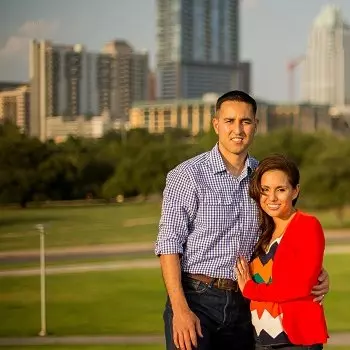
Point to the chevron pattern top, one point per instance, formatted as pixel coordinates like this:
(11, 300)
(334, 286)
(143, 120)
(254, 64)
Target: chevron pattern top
(267, 316)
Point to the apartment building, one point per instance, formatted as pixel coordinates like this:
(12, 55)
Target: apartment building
(195, 115)
(15, 105)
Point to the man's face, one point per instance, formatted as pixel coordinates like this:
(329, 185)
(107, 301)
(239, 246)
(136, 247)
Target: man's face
(235, 124)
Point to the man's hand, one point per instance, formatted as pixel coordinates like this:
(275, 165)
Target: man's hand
(322, 287)
(242, 272)
(186, 326)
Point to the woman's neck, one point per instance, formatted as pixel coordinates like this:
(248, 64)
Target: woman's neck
(281, 224)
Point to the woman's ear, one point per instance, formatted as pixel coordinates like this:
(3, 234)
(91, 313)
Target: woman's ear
(296, 191)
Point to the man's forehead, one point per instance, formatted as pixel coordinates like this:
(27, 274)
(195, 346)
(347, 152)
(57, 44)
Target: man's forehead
(237, 109)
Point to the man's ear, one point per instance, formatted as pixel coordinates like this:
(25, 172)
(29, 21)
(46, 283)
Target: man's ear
(256, 125)
(215, 122)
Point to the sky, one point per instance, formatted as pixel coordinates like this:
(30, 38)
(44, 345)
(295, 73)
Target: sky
(272, 32)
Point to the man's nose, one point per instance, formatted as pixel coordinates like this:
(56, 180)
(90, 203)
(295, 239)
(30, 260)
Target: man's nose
(237, 127)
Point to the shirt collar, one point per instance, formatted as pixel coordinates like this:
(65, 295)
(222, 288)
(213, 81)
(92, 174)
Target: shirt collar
(217, 164)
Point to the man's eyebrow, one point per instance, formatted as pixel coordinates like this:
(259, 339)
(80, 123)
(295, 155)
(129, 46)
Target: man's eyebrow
(241, 118)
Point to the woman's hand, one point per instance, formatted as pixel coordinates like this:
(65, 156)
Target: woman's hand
(242, 272)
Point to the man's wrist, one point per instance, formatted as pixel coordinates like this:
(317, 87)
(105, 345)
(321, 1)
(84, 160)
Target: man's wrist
(179, 306)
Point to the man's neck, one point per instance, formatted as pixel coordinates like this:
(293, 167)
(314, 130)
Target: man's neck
(234, 162)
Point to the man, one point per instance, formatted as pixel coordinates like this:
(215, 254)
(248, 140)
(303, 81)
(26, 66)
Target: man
(207, 221)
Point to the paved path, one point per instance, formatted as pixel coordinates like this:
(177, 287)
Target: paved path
(119, 265)
(337, 339)
(111, 250)
(121, 248)
(99, 251)
(79, 268)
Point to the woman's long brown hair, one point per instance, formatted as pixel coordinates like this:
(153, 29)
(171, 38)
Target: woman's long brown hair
(266, 223)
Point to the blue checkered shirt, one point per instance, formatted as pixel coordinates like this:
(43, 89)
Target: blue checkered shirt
(207, 215)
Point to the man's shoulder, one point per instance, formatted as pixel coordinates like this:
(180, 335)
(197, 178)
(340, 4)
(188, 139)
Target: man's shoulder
(253, 162)
(191, 165)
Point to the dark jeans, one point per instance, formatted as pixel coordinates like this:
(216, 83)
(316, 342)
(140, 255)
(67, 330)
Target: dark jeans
(290, 347)
(224, 316)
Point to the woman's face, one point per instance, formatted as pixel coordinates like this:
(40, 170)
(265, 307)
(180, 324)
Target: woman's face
(277, 194)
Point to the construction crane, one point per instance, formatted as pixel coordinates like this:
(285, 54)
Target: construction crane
(292, 64)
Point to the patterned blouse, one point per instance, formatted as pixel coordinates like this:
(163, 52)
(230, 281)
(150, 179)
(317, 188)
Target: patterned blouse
(267, 316)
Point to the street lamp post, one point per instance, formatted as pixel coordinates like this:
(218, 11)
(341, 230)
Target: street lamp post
(41, 230)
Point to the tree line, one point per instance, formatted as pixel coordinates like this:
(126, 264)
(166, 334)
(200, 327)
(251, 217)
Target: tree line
(136, 164)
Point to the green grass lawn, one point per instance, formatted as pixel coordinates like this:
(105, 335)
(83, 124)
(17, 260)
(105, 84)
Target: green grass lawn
(123, 302)
(337, 302)
(73, 226)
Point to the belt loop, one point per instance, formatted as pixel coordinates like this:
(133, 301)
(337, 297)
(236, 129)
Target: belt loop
(210, 285)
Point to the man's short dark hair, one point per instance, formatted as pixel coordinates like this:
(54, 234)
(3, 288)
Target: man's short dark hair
(238, 96)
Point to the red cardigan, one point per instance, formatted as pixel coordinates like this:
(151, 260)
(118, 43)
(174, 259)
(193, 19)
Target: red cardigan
(296, 267)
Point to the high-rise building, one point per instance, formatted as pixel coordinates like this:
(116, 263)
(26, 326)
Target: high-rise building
(14, 105)
(326, 76)
(67, 81)
(130, 70)
(198, 47)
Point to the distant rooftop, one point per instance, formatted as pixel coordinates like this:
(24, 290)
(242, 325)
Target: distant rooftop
(330, 17)
(11, 85)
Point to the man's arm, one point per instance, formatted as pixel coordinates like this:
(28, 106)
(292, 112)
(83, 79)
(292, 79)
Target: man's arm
(185, 323)
(178, 211)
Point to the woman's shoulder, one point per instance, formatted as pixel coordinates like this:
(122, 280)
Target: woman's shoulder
(307, 219)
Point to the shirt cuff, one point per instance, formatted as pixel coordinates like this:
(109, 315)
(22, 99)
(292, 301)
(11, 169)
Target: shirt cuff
(168, 247)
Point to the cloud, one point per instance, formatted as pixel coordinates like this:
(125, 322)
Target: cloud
(39, 29)
(18, 43)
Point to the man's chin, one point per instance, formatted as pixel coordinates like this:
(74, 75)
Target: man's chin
(238, 150)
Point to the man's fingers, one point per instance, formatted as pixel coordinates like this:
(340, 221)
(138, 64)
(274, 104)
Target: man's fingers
(319, 289)
(182, 344)
(187, 340)
(193, 337)
(323, 275)
(199, 328)
(316, 289)
(319, 299)
(176, 339)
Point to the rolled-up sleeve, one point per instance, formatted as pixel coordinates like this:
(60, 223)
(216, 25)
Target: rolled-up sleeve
(179, 209)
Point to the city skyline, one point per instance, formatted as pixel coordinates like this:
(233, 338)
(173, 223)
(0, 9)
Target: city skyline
(198, 48)
(326, 73)
(270, 36)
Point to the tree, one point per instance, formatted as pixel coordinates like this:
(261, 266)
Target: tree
(20, 159)
(326, 181)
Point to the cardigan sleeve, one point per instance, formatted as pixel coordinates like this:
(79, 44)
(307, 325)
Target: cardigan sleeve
(298, 277)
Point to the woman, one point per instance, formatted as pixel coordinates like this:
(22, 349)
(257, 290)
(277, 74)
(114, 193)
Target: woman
(286, 263)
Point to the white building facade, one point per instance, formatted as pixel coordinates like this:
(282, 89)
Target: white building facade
(326, 76)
